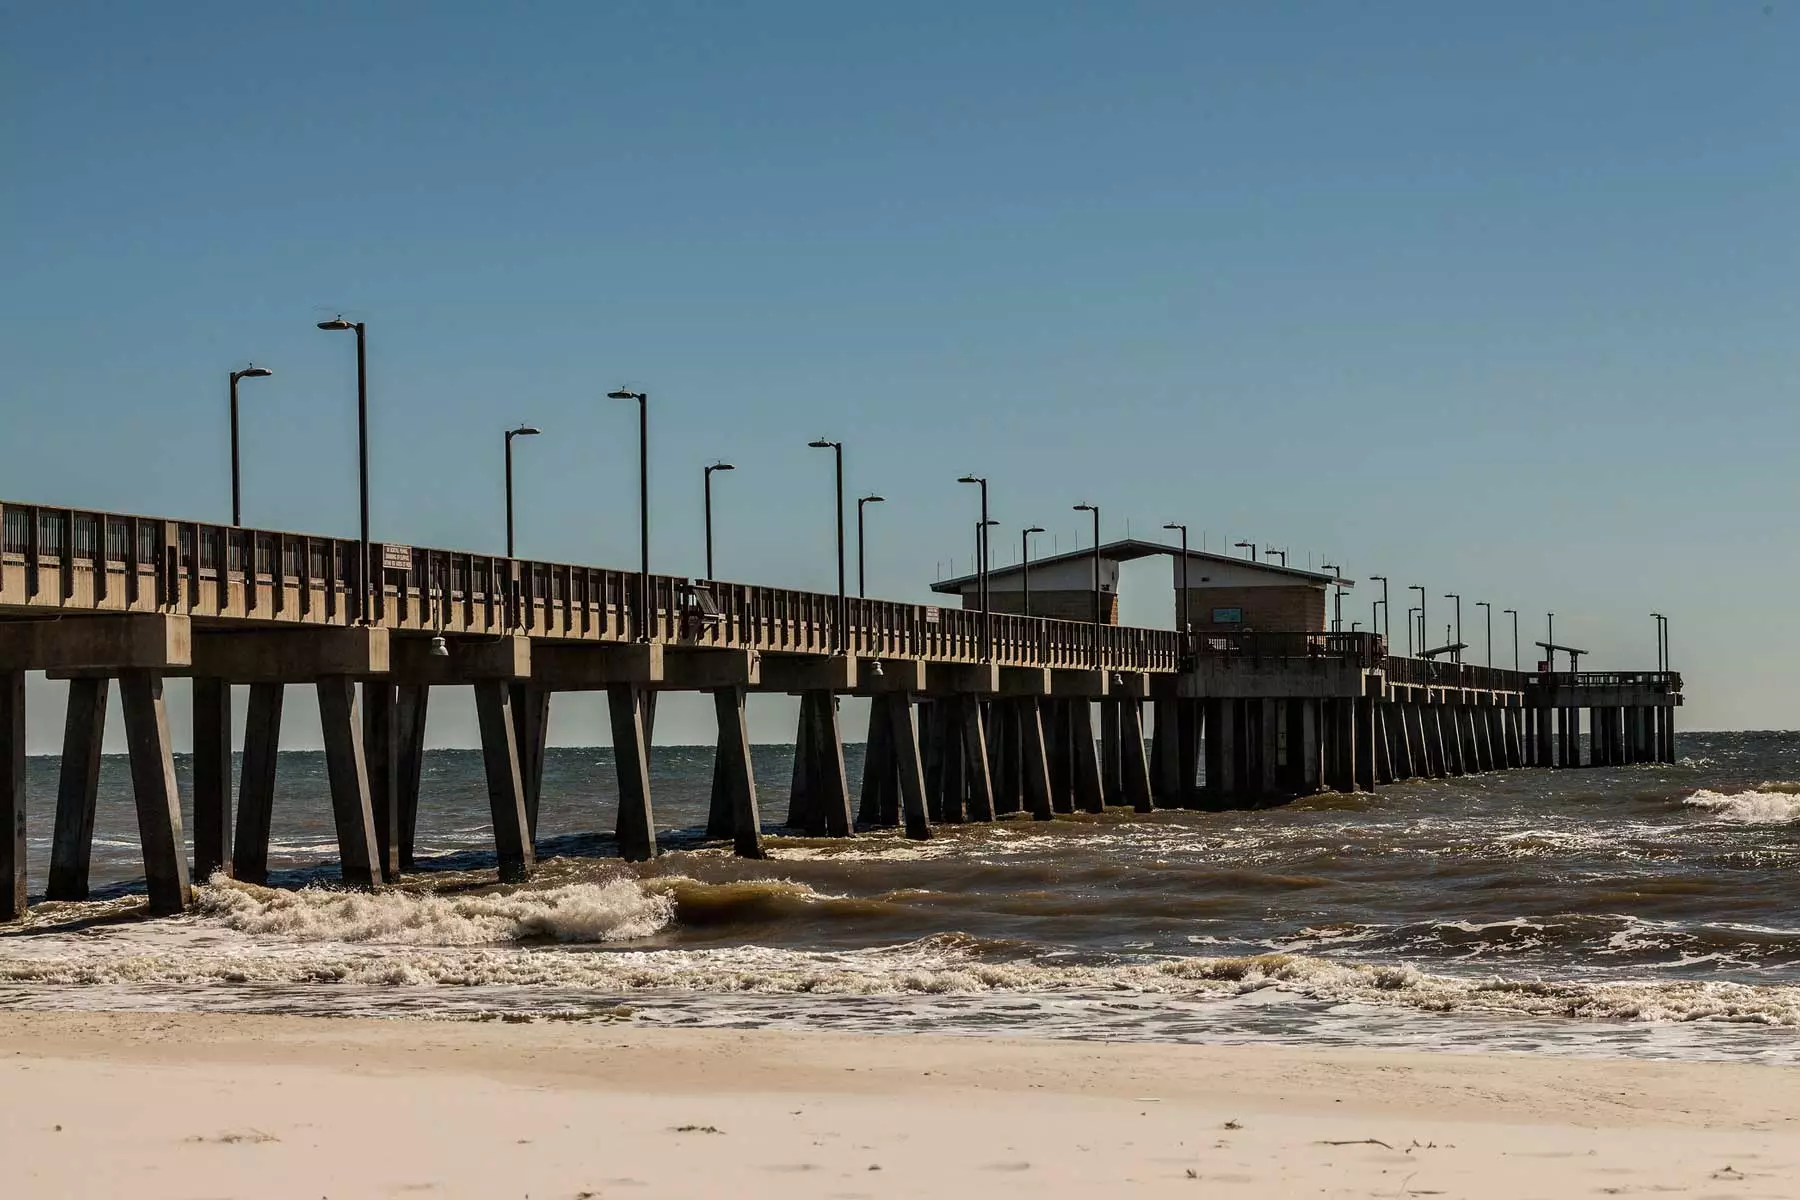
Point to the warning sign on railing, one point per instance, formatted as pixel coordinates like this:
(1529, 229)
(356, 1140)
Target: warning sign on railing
(396, 558)
(931, 614)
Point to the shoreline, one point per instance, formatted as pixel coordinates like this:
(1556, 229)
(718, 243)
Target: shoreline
(308, 1106)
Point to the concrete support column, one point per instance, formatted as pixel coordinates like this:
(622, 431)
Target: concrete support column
(1269, 767)
(212, 775)
(506, 787)
(381, 736)
(880, 805)
(909, 771)
(1399, 730)
(1134, 765)
(1455, 751)
(1034, 760)
(347, 768)
(1382, 712)
(256, 786)
(1191, 717)
(1165, 746)
(78, 788)
(1319, 726)
(738, 776)
(1366, 745)
(1112, 760)
(636, 826)
(977, 772)
(1223, 746)
(1086, 754)
(153, 784)
(1433, 738)
(531, 727)
(12, 795)
(414, 699)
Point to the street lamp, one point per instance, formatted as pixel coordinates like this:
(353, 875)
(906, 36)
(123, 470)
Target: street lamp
(1095, 510)
(1490, 629)
(1187, 622)
(1250, 546)
(707, 478)
(643, 403)
(1025, 563)
(250, 372)
(862, 584)
(1410, 614)
(1420, 588)
(1386, 613)
(1337, 589)
(1514, 614)
(1550, 642)
(1661, 626)
(981, 567)
(521, 431)
(837, 448)
(1271, 552)
(1456, 596)
(338, 325)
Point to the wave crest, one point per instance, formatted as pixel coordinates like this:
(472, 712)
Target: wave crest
(1769, 804)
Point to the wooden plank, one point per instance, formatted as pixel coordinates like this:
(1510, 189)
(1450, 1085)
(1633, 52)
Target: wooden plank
(78, 788)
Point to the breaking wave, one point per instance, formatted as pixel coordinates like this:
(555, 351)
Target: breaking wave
(1768, 804)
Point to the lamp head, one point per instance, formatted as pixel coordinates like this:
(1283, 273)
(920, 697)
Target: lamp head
(252, 372)
(971, 479)
(721, 466)
(1034, 529)
(1176, 525)
(336, 323)
(524, 431)
(624, 394)
(823, 444)
(439, 649)
(1086, 508)
(873, 499)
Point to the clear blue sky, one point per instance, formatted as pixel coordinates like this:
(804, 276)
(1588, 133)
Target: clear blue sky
(1502, 300)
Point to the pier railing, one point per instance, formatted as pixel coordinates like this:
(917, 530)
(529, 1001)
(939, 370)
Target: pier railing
(1433, 672)
(1656, 681)
(1362, 649)
(74, 560)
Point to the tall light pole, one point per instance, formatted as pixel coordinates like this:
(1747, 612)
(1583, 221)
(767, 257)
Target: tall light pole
(1550, 641)
(1025, 562)
(643, 403)
(1187, 622)
(1410, 614)
(1250, 546)
(862, 583)
(250, 372)
(1271, 552)
(1420, 588)
(1483, 604)
(839, 642)
(1095, 510)
(1386, 613)
(521, 431)
(338, 324)
(981, 567)
(1514, 614)
(718, 466)
(1661, 659)
(1337, 588)
(1456, 596)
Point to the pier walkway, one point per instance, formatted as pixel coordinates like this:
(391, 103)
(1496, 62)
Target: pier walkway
(975, 715)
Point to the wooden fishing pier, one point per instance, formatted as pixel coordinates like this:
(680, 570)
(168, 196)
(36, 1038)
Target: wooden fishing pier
(975, 715)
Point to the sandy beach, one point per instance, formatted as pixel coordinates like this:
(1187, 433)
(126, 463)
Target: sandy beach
(211, 1107)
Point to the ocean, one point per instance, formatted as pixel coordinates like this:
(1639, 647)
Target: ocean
(1649, 911)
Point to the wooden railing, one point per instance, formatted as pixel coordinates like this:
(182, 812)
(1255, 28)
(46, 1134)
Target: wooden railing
(1361, 649)
(76, 560)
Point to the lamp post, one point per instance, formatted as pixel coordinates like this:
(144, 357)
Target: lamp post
(1250, 546)
(1271, 552)
(1456, 596)
(1483, 604)
(1410, 614)
(837, 448)
(1337, 619)
(1420, 588)
(521, 431)
(1660, 660)
(250, 372)
(1386, 622)
(1187, 622)
(862, 583)
(643, 403)
(981, 568)
(1025, 563)
(718, 466)
(335, 325)
(1514, 614)
(1095, 510)
(1550, 641)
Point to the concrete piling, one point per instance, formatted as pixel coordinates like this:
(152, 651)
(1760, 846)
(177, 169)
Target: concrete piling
(413, 701)
(347, 769)
(256, 786)
(513, 848)
(12, 795)
(635, 829)
(78, 788)
(153, 784)
(381, 736)
(739, 776)
(212, 775)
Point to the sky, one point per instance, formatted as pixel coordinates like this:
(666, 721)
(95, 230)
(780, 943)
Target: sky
(1501, 300)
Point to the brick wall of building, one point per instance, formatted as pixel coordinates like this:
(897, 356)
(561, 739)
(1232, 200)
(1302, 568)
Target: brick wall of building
(1060, 605)
(1299, 609)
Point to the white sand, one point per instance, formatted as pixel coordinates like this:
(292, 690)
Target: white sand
(200, 1107)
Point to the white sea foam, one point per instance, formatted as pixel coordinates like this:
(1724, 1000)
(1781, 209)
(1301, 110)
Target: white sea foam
(613, 911)
(1768, 805)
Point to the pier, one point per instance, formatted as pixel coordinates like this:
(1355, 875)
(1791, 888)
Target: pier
(981, 712)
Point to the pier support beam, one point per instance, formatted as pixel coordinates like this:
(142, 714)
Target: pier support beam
(153, 784)
(505, 784)
(1112, 763)
(1165, 771)
(1034, 761)
(1086, 754)
(531, 726)
(825, 807)
(1134, 766)
(256, 786)
(347, 767)
(381, 750)
(880, 805)
(909, 771)
(12, 795)
(635, 828)
(977, 772)
(212, 775)
(414, 700)
(78, 788)
(1365, 744)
